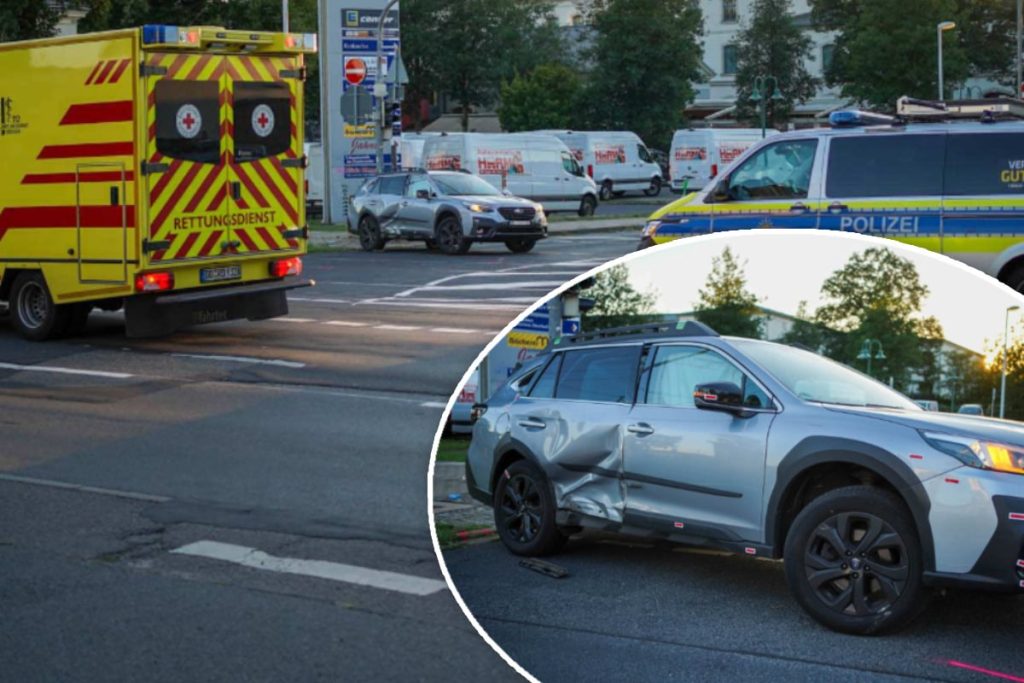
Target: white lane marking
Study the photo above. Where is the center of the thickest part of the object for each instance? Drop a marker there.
(295, 320)
(321, 569)
(345, 323)
(321, 300)
(460, 330)
(535, 284)
(54, 484)
(433, 404)
(452, 304)
(65, 371)
(398, 328)
(242, 359)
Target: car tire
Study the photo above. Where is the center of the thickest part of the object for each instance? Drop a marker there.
(854, 563)
(520, 245)
(606, 191)
(645, 243)
(34, 314)
(588, 205)
(524, 511)
(450, 238)
(369, 234)
(655, 189)
(1014, 278)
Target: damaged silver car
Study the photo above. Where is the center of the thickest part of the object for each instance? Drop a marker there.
(673, 432)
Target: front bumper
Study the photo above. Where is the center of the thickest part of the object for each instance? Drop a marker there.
(486, 229)
(1000, 567)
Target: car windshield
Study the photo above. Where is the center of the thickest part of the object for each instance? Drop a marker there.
(816, 378)
(464, 184)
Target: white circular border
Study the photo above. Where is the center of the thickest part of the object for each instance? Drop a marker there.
(270, 114)
(188, 107)
(866, 240)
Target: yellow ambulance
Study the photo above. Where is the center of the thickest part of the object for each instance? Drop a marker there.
(157, 169)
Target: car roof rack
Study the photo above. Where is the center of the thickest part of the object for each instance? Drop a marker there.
(670, 328)
(986, 110)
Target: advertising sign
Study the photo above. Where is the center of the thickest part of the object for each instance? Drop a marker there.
(609, 154)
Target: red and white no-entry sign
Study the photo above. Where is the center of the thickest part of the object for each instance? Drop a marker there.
(355, 70)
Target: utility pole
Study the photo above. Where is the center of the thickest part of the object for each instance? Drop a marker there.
(284, 15)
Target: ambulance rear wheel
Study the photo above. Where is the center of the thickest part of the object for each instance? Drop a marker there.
(369, 234)
(33, 312)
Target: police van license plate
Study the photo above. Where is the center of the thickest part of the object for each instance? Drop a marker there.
(220, 274)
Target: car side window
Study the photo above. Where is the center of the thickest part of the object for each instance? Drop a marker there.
(781, 170)
(392, 184)
(545, 386)
(606, 375)
(369, 187)
(417, 183)
(677, 370)
(569, 163)
(984, 163)
(886, 166)
(645, 156)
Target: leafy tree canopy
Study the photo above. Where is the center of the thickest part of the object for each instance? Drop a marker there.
(725, 304)
(547, 97)
(616, 301)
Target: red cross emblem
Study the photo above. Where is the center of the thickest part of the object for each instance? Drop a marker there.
(189, 121)
(263, 120)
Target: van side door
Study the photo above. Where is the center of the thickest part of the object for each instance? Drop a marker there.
(983, 197)
(693, 471)
(777, 186)
(886, 184)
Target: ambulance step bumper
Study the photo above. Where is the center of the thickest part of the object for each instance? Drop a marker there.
(157, 315)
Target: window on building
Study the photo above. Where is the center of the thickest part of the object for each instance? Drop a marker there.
(729, 13)
(729, 60)
(827, 52)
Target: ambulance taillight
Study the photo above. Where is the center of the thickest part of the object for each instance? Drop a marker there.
(286, 267)
(154, 282)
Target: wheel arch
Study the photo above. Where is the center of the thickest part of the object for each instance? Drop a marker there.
(447, 212)
(821, 464)
(510, 450)
(7, 281)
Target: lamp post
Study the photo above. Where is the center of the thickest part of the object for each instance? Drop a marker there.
(867, 351)
(284, 15)
(765, 87)
(941, 28)
(1006, 343)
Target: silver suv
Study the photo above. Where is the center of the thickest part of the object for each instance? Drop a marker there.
(447, 210)
(767, 450)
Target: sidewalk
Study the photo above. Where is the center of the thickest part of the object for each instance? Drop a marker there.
(341, 239)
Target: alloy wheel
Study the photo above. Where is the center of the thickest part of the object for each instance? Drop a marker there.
(521, 508)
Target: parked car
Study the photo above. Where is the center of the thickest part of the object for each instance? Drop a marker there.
(927, 404)
(699, 154)
(945, 183)
(618, 161)
(537, 167)
(446, 210)
(763, 449)
(971, 409)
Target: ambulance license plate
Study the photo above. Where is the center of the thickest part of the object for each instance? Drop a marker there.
(220, 274)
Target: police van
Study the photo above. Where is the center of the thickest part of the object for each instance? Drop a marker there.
(945, 177)
(157, 169)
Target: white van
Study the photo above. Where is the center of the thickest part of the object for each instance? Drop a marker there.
(698, 155)
(618, 161)
(537, 167)
(314, 178)
(410, 149)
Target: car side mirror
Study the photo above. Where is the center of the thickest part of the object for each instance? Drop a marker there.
(422, 194)
(722, 396)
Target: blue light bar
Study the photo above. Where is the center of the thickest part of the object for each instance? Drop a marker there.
(159, 34)
(854, 117)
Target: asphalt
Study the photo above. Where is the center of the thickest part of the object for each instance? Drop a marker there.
(306, 438)
(635, 611)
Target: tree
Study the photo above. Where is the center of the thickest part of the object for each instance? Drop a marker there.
(547, 97)
(27, 19)
(645, 55)
(881, 54)
(616, 301)
(466, 48)
(773, 45)
(725, 304)
(877, 296)
(804, 331)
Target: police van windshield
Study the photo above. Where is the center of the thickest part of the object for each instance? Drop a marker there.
(464, 184)
(187, 120)
(262, 120)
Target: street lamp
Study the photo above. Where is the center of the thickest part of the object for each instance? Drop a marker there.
(765, 88)
(1006, 343)
(867, 352)
(940, 28)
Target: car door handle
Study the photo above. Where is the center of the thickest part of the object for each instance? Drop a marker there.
(640, 429)
(799, 207)
(838, 206)
(532, 423)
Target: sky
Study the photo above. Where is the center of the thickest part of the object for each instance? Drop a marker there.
(783, 268)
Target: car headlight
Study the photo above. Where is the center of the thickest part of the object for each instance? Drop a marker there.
(651, 228)
(986, 455)
(476, 208)
(540, 212)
